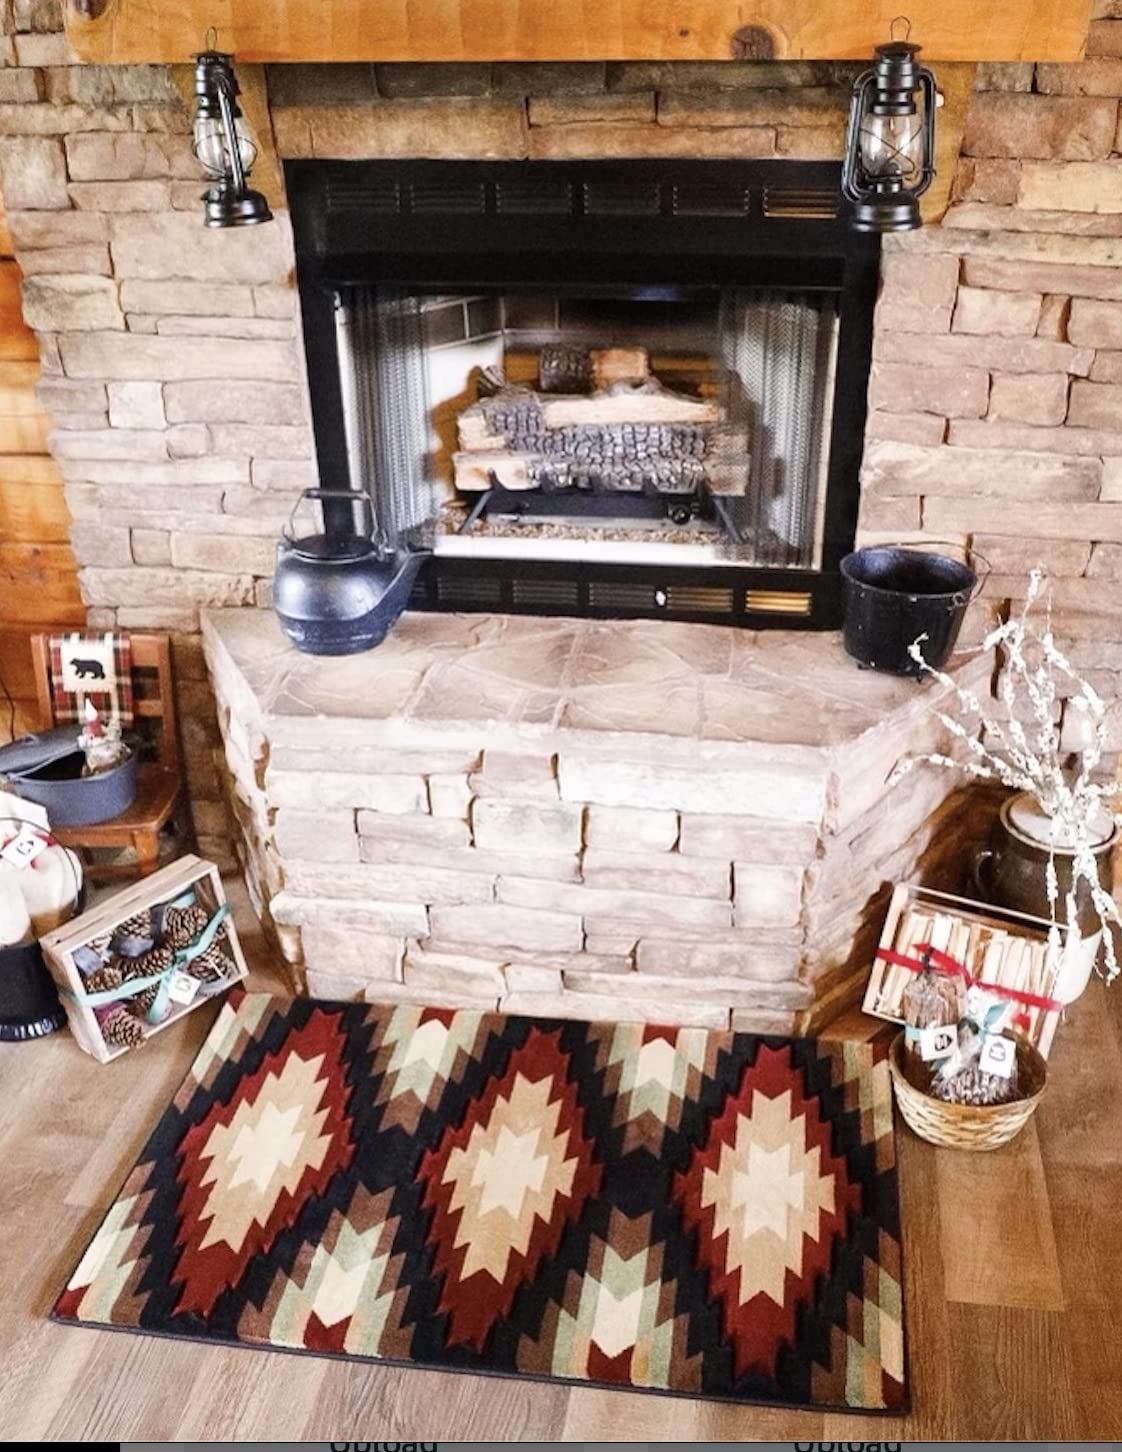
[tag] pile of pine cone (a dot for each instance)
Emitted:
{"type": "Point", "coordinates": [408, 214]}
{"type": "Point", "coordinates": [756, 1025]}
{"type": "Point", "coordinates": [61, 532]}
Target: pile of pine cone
{"type": "Point", "coordinates": [122, 1024]}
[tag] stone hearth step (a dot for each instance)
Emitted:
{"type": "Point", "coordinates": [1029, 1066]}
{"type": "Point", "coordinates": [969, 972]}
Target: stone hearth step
{"type": "Point", "coordinates": [680, 823]}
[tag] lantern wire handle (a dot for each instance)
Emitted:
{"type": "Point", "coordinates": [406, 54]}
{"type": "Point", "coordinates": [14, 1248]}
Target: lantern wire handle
{"type": "Point", "coordinates": [900, 20]}
{"type": "Point", "coordinates": [211, 40]}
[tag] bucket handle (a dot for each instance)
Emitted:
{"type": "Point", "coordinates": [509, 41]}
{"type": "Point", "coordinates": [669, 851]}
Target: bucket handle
{"type": "Point", "coordinates": [954, 544]}
{"type": "Point", "coordinates": [355, 496]}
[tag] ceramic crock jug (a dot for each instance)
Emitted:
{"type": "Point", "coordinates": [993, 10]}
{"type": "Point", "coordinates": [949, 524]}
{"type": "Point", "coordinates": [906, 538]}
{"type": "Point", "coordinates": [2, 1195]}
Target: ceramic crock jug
{"type": "Point", "coordinates": [1011, 873]}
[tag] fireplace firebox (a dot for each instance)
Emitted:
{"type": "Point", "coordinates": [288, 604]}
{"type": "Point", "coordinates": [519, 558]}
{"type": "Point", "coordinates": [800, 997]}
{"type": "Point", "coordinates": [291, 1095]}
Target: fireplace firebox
{"type": "Point", "coordinates": [617, 389]}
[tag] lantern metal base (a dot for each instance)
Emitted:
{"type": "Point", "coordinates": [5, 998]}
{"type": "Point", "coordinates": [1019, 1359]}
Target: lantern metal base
{"type": "Point", "coordinates": [221, 209]}
{"type": "Point", "coordinates": [894, 212]}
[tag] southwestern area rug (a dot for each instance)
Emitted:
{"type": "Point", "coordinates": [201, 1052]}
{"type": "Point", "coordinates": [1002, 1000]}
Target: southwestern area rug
{"type": "Point", "coordinates": [679, 1210]}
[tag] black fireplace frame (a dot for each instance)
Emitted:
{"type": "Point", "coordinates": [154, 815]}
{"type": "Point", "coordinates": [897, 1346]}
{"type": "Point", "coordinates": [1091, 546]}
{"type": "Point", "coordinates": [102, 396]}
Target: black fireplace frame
{"type": "Point", "coordinates": [683, 224]}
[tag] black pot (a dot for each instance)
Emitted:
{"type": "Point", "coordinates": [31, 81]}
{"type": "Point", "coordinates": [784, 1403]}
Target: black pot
{"type": "Point", "coordinates": [892, 596]}
{"type": "Point", "coordinates": [29, 1003]}
{"type": "Point", "coordinates": [337, 593]}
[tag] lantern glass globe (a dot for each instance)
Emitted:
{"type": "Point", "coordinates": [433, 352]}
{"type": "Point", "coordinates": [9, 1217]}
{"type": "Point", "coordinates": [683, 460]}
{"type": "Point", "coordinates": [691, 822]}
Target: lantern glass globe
{"type": "Point", "coordinates": [892, 146]}
{"type": "Point", "coordinates": [212, 147]}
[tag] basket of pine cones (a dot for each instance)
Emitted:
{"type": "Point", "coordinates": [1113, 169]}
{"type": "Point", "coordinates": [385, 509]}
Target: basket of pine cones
{"type": "Point", "coordinates": [141, 959]}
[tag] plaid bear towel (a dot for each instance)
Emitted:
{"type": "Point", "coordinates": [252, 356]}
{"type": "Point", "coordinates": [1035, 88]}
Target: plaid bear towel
{"type": "Point", "coordinates": [98, 666]}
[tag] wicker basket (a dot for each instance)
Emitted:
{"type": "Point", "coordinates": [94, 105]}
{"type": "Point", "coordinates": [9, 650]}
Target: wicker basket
{"type": "Point", "coordinates": [969, 1126]}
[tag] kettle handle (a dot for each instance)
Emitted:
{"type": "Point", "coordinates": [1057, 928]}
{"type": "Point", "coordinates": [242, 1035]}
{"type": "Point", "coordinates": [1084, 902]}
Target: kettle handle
{"type": "Point", "coordinates": [355, 496]}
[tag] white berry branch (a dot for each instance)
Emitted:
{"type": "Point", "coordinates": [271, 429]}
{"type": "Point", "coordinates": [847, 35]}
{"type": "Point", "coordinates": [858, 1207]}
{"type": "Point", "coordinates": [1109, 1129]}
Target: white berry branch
{"type": "Point", "coordinates": [1024, 753]}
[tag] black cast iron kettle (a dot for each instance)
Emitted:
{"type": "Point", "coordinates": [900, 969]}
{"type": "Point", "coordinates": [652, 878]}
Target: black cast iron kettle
{"type": "Point", "coordinates": [338, 592]}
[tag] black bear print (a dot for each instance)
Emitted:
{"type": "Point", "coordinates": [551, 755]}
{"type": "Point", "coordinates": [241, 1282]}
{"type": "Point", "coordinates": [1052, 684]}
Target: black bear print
{"type": "Point", "coordinates": [88, 669]}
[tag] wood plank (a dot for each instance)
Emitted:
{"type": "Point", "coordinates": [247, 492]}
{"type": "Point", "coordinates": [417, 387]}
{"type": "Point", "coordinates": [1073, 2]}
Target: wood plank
{"type": "Point", "coordinates": [981, 1197]}
{"type": "Point", "coordinates": [1014, 1372]}
{"type": "Point", "coordinates": [486, 30]}
{"type": "Point", "coordinates": [32, 512]}
{"type": "Point", "coordinates": [17, 388]}
{"type": "Point", "coordinates": [32, 595]}
{"type": "Point", "coordinates": [17, 341]}
{"type": "Point", "coordinates": [956, 85]}
{"type": "Point", "coordinates": [37, 470]}
{"type": "Point", "coordinates": [24, 435]}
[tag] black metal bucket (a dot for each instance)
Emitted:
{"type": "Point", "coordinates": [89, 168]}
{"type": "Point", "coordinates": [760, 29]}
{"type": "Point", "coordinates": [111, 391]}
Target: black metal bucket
{"type": "Point", "coordinates": [893, 596]}
{"type": "Point", "coordinates": [29, 1003]}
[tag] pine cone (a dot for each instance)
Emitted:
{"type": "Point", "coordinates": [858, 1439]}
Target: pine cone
{"type": "Point", "coordinates": [104, 978]}
{"type": "Point", "coordinates": [183, 925]}
{"type": "Point", "coordinates": [122, 1029]}
{"type": "Point", "coordinates": [211, 966]}
{"type": "Point", "coordinates": [156, 960]}
{"type": "Point", "coordinates": [138, 926]}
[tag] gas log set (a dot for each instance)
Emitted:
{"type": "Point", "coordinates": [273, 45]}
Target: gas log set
{"type": "Point", "coordinates": [599, 435]}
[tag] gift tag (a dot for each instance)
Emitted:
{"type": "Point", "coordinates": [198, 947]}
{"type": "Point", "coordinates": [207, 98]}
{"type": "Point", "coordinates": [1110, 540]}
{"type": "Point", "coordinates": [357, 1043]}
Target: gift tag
{"type": "Point", "coordinates": [998, 1056]}
{"type": "Point", "coordinates": [24, 847]}
{"type": "Point", "coordinates": [937, 1041]}
{"type": "Point", "coordinates": [182, 987]}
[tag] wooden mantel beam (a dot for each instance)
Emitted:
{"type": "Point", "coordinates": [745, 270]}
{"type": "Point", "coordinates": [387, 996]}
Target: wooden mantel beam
{"type": "Point", "coordinates": [124, 31]}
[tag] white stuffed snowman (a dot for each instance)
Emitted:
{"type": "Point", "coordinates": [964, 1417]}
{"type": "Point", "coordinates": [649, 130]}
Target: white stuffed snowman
{"type": "Point", "coordinates": [40, 881]}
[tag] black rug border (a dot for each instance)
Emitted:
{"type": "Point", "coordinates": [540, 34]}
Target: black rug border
{"type": "Point", "coordinates": [538, 1379]}
{"type": "Point", "coordinates": [904, 1409]}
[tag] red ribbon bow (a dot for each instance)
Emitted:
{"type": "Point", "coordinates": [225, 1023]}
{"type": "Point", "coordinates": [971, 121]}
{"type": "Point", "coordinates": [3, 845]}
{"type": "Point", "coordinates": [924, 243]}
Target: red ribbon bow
{"type": "Point", "coordinates": [950, 967]}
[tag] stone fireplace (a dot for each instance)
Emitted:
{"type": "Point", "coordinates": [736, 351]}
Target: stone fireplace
{"type": "Point", "coordinates": [690, 819]}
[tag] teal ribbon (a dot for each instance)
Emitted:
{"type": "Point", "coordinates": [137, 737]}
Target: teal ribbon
{"type": "Point", "coordinates": [133, 986]}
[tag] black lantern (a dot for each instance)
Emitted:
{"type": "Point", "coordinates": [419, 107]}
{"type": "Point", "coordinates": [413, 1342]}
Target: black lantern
{"type": "Point", "coordinates": [224, 145]}
{"type": "Point", "coordinates": [890, 143]}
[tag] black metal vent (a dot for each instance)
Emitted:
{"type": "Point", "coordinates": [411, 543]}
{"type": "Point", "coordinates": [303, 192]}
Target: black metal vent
{"type": "Point", "coordinates": [806, 202]}
{"type": "Point", "coordinates": [620, 198]}
{"type": "Point", "coordinates": [699, 199]}
{"type": "Point", "coordinates": [701, 600]}
{"type": "Point", "coordinates": [557, 595]}
{"type": "Point", "coordinates": [535, 190]}
{"type": "Point", "coordinates": [533, 199]}
{"type": "Point", "coordinates": [619, 595]}
{"type": "Point", "coordinates": [466, 200]}
{"type": "Point", "coordinates": [468, 592]}
{"type": "Point", "coordinates": [362, 194]}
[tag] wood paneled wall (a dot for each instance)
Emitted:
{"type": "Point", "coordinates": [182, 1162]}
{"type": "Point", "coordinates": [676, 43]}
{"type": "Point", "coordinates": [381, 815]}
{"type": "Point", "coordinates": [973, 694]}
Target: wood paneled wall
{"type": "Point", "coordinates": [38, 574]}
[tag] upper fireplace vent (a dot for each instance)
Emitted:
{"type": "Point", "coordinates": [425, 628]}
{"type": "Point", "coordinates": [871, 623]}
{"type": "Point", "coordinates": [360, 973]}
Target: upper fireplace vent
{"type": "Point", "coordinates": [580, 194]}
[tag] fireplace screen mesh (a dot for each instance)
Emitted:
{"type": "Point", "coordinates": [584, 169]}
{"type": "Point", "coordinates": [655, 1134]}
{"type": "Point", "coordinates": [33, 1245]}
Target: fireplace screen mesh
{"type": "Point", "coordinates": [662, 425]}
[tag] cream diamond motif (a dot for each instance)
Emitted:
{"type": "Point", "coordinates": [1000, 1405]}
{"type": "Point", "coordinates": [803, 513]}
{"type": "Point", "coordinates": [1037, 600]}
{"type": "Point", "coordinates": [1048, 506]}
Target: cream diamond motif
{"type": "Point", "coordinates": [263, 1151]}
{"type": "Point", "coordinates": [767, 1188]}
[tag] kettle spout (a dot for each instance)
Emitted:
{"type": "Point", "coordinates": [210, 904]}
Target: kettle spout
{"type": "Point", "coordinates": [401, 586]}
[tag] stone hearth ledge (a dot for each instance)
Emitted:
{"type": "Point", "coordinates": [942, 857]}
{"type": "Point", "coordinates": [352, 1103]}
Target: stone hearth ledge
{"type": "Point", "coordinates": [532, 814]}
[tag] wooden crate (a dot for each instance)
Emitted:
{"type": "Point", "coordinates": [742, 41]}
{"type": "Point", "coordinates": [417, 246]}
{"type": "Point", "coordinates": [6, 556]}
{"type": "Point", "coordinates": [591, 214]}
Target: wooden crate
{"type": "Point", "coordinates": [97, 926]}
{"type": "Point", "coordinates": [1028, 965]}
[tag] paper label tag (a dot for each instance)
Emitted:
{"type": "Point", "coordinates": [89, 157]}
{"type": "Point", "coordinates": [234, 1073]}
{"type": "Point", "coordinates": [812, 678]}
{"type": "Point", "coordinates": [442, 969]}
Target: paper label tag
{"type": "Point", "coordinates": [998, 1056]}
{"type": "Point", "coordinates": [24, 847]}
{"type": "Point", "coordinates": [182, 988]}
{"type": "Point", "coordinates": [937, 1041]}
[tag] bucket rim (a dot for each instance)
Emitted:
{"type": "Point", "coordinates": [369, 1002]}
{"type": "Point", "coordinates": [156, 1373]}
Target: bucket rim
{"type": "Point", "coordinates": [966, 589]}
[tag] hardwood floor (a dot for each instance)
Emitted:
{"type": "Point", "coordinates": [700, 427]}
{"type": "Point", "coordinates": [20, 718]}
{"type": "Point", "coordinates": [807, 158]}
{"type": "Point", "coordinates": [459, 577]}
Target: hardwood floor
{"type": "Point", "coordinates": [1013, 1285]}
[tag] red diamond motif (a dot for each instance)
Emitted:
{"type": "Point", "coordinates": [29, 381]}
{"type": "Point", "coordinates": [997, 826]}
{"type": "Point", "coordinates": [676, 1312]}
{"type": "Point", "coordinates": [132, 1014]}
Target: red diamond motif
{"type": "Point", "coordinates": [767, 1198]}
{"type": "Point", "coordinates": [249, 1167]}
{"type": "Point", "coordinates": [503, 1185]}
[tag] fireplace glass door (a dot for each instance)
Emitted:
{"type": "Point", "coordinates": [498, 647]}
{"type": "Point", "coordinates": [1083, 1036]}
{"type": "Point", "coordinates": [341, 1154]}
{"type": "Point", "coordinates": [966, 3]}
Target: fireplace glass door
{"type": "Point", "coordinates": [660, 427]}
